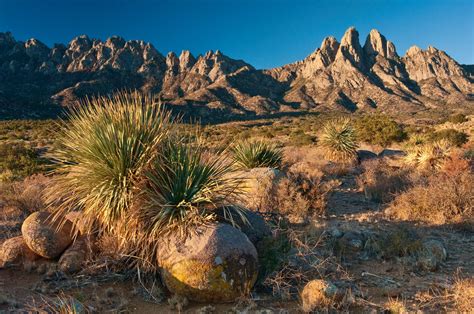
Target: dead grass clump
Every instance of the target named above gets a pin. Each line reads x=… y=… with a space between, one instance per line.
x=395 y=306
x=380 y=182
x=462 y=294
x=457 y=296
x=27 y=195
x=442 y=199
x=303 y=257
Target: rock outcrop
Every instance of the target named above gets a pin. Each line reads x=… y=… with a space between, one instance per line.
x=38 y=80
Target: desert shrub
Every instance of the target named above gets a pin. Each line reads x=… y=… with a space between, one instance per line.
x=19 y=160
x=339 y=140
x=380 y=182
x=379 y=129
x=457 y=118
x=454 y=137
x=300 y=138
x=27 y=194
x=430 y=156
x=102 y=151
x=441 y=199
x=254 y=154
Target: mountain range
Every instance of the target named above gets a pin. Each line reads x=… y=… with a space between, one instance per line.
x=37 y=81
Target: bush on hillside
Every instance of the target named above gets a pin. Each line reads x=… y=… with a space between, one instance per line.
x=378 y=129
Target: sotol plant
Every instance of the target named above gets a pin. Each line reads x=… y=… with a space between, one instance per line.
x=183 y=188
x=429 y=156
x=104 y=145
x=339 y=140
x=254 y=154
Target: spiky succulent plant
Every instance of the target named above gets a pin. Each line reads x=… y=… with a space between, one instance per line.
x=429 y=156
x=104 y=145
x=339 y=140
x=256 y=153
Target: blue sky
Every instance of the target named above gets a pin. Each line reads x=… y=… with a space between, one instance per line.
x=265 y=33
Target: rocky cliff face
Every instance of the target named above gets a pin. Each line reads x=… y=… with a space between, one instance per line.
x=38 y=80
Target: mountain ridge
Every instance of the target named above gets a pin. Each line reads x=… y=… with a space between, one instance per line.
x=37 y=80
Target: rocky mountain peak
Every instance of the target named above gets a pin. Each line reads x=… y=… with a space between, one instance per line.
x=377 y=44
x=350 y=48
x=337 y=75
x=186 y=60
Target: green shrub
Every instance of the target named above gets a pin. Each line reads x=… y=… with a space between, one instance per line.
x=339 y=140
x=454 y=137
x=254 y=154
x=102 y=151
x=300 y=138
x=378 y=129
x=458 y=118
x=19 y=160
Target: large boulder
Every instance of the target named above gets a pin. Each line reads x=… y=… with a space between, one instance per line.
x=216 y=263
x=14 y=251
x=44 y=237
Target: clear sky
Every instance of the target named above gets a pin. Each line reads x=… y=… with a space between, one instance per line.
x=265 y=33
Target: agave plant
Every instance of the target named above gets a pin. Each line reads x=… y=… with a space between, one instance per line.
x=103 y=147
x=430 y=156
x=254 y=154
x=339 y=140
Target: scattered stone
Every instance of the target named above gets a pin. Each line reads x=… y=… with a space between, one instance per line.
x=44 y=237
x=216 y=263
x=14 y=251
x=256 y=229
x=351 y=243
x=431 y=255
x=316 y=294
x=74 y=257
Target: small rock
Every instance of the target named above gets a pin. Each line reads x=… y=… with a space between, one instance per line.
x=431 y=255
x=316 y=294
x=44 y=237
x=74 y=257
x=14 y=251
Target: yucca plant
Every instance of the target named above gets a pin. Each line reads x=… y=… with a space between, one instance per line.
x=430 y=156
x=103 y=147
x=257 y=153
x=339 y=140
x=184 y=188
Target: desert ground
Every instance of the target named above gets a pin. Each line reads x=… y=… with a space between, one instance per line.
x=386 y=226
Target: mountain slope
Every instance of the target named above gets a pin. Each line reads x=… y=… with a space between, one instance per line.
x=36 y=80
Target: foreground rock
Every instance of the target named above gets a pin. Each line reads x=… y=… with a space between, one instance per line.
x=74 y=257
x=14 y=251
x=317 y=294
x=44 y=237
x=216 y=264
x=255 y=227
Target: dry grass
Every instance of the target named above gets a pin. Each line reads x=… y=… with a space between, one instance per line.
x=457 y=296
x=380 y=182
x=442 y=199
x=395 y=306
x=26 y=195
